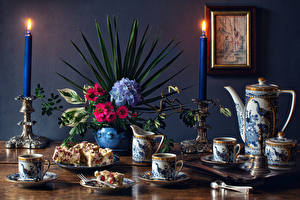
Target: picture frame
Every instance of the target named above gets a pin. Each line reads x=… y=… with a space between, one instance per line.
x=231 y=36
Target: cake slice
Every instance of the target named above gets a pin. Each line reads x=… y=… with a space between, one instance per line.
x=83 y=153
x=114 y=178
x=66 y=155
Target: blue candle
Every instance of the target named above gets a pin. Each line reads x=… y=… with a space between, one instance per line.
x=27 y=61
x=203 y=62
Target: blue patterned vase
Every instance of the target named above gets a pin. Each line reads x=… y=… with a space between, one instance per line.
x=110 y=138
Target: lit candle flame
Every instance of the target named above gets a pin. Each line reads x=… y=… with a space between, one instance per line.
x=203 y=26
x=29 y=25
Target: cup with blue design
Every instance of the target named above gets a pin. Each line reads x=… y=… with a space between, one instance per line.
x=165 y=166
x=31 y=167
x=225 y=149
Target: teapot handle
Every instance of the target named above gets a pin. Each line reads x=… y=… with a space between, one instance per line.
x=293 y=93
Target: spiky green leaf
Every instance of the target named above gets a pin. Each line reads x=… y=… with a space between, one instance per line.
x=105 y=54
x=153 y=89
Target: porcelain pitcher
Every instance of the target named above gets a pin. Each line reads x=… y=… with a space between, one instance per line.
x=259 y=115
x=143 y=143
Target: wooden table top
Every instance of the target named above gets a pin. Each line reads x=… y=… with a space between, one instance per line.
x=67 y=185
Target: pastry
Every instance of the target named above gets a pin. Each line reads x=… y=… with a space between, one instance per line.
x=114 y=178
x=83 y=153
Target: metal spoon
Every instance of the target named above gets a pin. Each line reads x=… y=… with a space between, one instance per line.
x=221 y=184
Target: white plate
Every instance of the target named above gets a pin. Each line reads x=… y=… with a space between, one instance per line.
x=127 y=183
x=15 y=178
x=147 y=177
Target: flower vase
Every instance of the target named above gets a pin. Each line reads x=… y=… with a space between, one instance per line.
x=119 y=142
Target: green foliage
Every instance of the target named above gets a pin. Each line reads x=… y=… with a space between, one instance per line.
x=51 y=104
x=167 y=145
x=155 y=124
x=135 y=64
x=225 y=111
x=71 y=96
x=189 y=117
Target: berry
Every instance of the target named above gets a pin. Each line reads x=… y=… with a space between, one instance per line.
x=102 y=178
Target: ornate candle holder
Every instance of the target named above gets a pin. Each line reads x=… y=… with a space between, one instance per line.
x=201 y=143
x=27 y=139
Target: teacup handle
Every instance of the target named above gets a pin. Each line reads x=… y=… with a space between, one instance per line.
x=293 y=93
x=161 y=142
x=179 y=162
x=48 y=166
x=237 y=150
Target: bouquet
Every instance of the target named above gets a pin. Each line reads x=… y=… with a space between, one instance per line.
x=124 y=85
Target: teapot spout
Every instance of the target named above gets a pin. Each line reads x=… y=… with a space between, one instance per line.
x=240 y=110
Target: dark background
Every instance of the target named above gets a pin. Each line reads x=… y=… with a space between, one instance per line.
x=56 y=22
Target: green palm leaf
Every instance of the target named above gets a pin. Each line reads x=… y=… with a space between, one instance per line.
x=87 y=62
x=71 y=82
x=78 y=72
x=139 y=53
x=151 y=90
x=140 y=69
x=156 y=61
x=118 y=53
x=98 y=64
x=130 y=49
x=112 y=44
x=105 y=54
x=158 y=73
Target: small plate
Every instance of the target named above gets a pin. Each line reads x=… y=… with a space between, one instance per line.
x=210 y=160
x=15 y=178
x=181 y=177
x=127 y=183
x=85 y=167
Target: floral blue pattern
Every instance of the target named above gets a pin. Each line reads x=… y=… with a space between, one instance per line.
x=142 y=149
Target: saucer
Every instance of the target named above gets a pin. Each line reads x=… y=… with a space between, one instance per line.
x=127 y=183
x=15 y=178
x=147 y=177
x=210 y=160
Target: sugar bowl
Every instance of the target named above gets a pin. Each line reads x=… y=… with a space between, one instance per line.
x=281 y=152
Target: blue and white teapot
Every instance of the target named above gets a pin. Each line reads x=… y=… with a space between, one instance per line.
x=259 y=115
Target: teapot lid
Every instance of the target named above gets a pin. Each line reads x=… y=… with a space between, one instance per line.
x=280 y=139
x=262 y=86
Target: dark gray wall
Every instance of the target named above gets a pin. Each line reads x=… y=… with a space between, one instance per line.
x=58 y=22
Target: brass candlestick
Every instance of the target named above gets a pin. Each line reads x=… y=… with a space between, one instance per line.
x=27 y=139
x=201 y=143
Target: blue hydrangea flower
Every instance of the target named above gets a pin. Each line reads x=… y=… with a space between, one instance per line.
x=126 y=91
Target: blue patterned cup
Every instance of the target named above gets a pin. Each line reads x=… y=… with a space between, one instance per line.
x=164 y=166
x=31 y=166
x=225 y=149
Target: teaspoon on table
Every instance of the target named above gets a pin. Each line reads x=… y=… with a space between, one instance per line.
x=222 y=185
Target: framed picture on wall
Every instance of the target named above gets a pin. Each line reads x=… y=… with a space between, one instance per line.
x=231 y=36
